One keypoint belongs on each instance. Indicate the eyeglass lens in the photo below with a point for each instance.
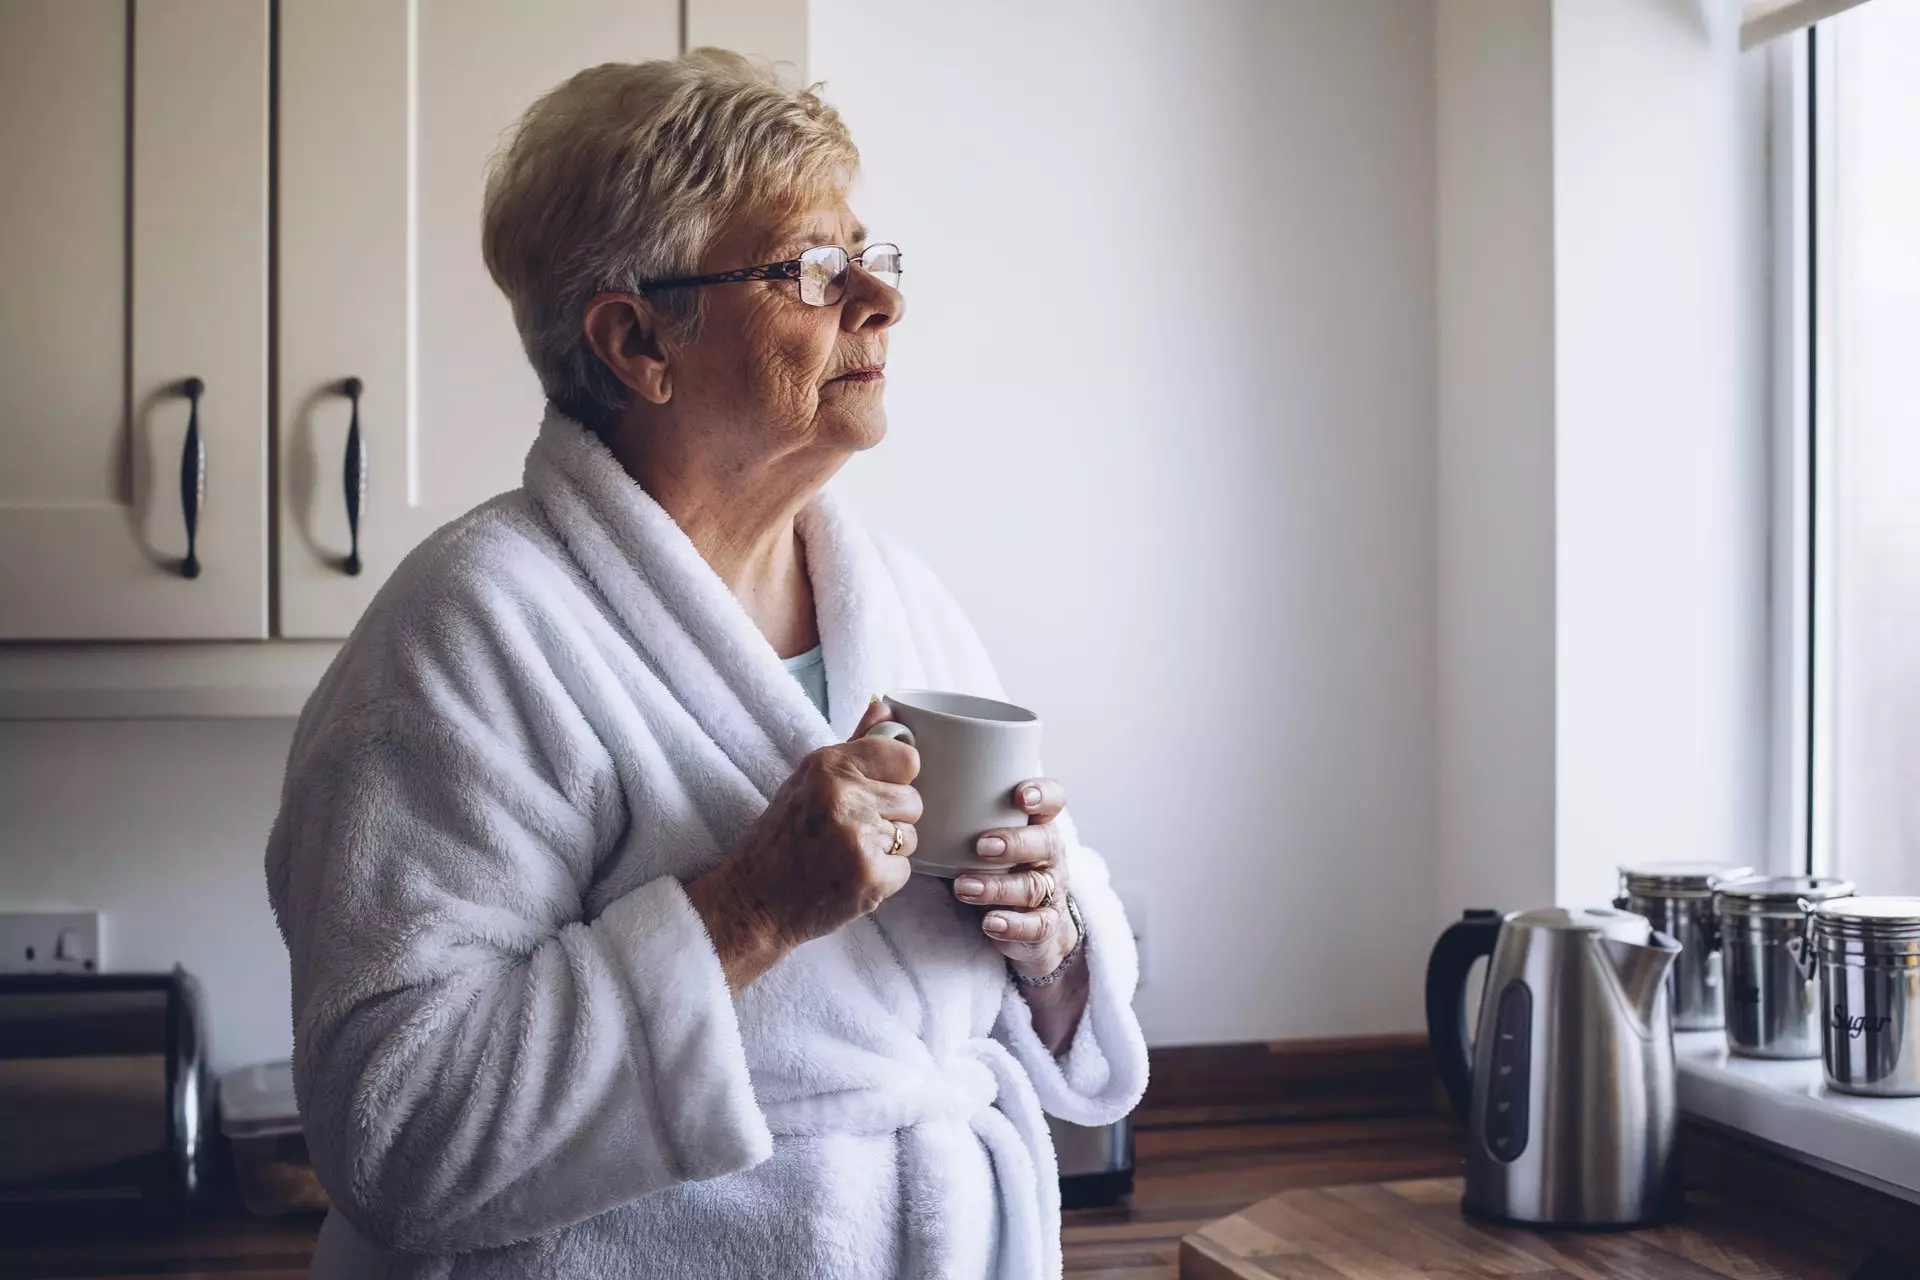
(823, 271)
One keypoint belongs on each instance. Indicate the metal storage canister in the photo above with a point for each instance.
(1770, 1004)
(1678, 898)
(1867, 955)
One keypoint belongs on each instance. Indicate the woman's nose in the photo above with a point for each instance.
(871, 303)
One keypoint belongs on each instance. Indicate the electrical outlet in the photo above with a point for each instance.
(1134, 902)
(50, 942)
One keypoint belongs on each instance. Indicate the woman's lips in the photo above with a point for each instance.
(862, 375)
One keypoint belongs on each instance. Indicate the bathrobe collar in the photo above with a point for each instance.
(692, 631)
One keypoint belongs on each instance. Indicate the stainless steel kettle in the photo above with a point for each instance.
(1569, 1087)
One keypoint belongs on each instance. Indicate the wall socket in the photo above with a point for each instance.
(50, 942)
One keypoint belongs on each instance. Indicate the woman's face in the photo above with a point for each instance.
(768, 363)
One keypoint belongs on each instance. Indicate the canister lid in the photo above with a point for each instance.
(1682, 878)
(1872, 918)
(1778, 893)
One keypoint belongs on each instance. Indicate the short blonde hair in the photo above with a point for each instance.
(624, 175)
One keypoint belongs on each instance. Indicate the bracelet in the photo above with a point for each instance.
(1066, 961)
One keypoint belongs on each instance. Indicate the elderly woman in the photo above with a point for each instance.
(607, 959)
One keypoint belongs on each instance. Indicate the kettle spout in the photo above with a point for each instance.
(1642, 972)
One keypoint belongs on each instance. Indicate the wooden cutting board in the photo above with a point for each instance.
(1415, 1231)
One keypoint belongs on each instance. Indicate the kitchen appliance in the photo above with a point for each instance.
(1677, 898)
(1096, 1162)
(1865, 953)
(1770, 1002)
(101, 1100)
(1569, 1087)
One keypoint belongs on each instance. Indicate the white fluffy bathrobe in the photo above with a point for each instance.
(516, 1053)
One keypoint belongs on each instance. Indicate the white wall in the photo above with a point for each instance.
(1176, 454)
(1662, 324)
(161, 825)
(1495, 330)
(1603, 321)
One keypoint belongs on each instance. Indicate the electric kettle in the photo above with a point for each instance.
(1569, 1087)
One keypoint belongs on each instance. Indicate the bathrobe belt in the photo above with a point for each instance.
(983, 1087)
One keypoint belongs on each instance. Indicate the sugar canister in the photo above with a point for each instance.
(1865, 953)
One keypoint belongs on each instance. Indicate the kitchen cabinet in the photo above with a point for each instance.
(388, 112)
(133, 246)
(135, 235)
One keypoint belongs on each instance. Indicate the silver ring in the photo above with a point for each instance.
(899, 839)
(1053, 889)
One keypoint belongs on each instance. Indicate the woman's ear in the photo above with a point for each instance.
(626, 335)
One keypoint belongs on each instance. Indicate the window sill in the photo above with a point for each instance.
(1874, 1141)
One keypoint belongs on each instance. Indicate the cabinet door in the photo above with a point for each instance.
(133, 247)
(389, 110)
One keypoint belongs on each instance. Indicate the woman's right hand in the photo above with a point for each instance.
(819, 856)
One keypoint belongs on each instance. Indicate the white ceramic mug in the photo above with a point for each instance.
(973, 752)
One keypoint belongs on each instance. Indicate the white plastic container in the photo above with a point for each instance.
(262, 1121)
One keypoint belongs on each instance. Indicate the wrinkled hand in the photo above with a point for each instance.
(820, 855)
(1033, 937)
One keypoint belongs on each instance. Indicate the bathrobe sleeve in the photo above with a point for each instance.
(477, 1061)
(1103, 1074)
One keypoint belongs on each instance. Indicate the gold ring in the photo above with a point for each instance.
(899, 839)
(1053, 889)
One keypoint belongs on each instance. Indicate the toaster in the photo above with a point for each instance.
(103, 1101)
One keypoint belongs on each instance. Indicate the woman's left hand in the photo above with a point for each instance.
(1033, 936)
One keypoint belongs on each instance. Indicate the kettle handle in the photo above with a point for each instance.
(1470, 938)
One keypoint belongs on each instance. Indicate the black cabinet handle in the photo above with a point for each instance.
(193, 476)
(356, 476)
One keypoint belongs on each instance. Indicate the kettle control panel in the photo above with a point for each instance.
(1505, 1123)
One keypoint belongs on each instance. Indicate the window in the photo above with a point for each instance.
(1845, 165)
(1864, 413)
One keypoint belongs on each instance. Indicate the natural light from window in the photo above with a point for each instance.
(1873, 360)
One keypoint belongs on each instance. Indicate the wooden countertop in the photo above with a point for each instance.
(1188, 1176)
(1415, 1231)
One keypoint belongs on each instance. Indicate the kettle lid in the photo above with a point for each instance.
(1621, 926)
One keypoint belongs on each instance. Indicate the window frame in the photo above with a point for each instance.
(1801, 131)
(1785, 1106)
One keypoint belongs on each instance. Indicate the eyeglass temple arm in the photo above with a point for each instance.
(770, 271)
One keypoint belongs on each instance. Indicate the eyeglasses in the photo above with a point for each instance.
(822, 272)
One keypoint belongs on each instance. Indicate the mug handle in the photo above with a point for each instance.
(892, 729)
